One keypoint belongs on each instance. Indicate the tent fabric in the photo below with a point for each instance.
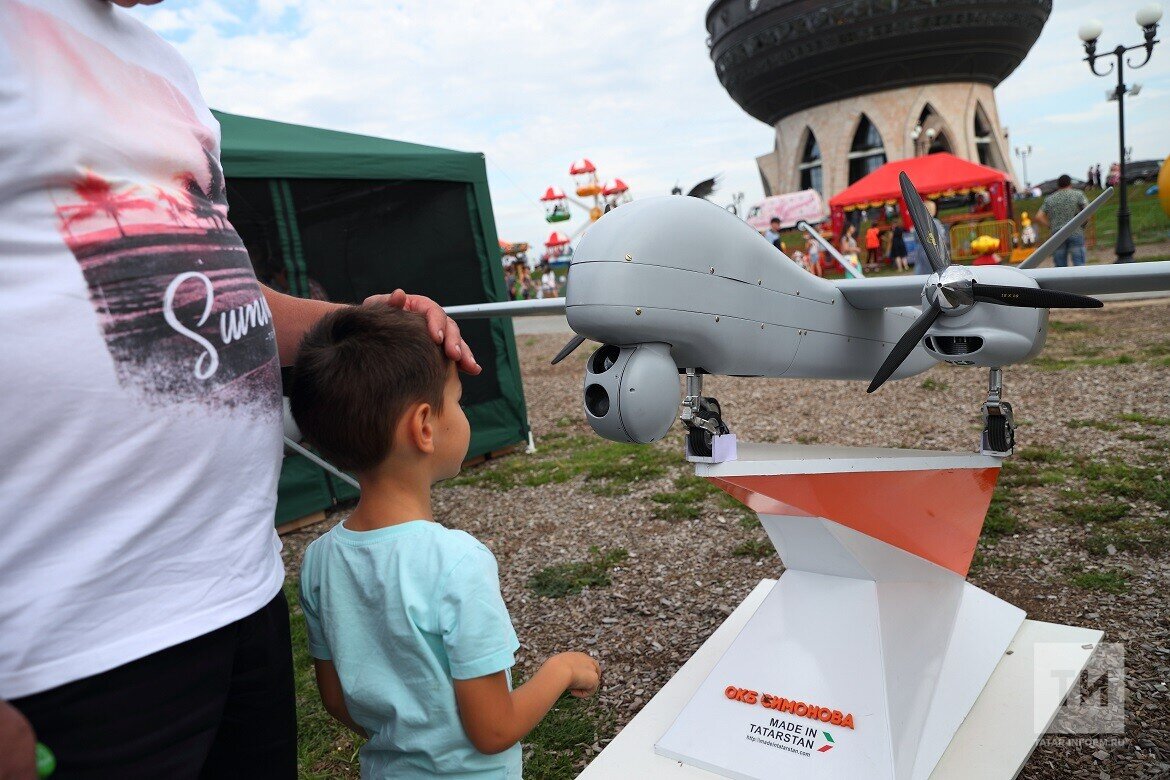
(261, 148)
(355, 216)
(934, 174)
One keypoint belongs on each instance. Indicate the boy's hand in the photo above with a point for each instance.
(584, 673)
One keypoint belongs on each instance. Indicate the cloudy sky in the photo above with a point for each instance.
(629, 84)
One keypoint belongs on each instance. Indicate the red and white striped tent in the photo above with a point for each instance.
(553, 193)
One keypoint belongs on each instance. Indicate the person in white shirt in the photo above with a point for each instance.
(143, 630)
(548, 282)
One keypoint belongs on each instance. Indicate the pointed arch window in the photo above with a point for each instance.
(984, 145)
(930, 135)
(811, 173)
(868, 153)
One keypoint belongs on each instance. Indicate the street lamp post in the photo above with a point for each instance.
(1147, 18)
(1022, 152)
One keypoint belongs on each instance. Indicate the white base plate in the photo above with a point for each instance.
(993, 742)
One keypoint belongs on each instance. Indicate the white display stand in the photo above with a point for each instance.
(867, 656)
(994, 741)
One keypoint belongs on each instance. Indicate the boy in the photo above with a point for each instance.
(411, 639)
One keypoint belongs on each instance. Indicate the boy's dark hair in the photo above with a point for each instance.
(774, 219)
(1064, 180)
(356, 372)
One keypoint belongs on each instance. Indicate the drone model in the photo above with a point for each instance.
(673, 286)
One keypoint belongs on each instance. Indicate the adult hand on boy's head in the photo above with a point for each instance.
(443, 329)
(18, 756)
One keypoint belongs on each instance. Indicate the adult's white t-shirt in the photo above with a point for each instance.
(140, 434)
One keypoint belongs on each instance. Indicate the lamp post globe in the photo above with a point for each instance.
(1148, 15)
(1091, 30)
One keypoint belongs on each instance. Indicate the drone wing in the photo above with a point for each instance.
(1048, 248)
(1082, 280)
(479, 311)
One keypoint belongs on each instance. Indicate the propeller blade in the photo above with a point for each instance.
(910, 339)
(567, 350)
(1032, 297)
(928, 237)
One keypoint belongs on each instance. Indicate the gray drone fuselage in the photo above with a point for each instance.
(684, 272)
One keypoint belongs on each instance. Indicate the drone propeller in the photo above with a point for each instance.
(1031, 297)
(924, 226)
(905, 345)
(952, 290)
(567, 350)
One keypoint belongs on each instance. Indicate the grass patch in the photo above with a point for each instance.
(1061, 364)
(1138, 437)
(1123, 480)
(1056, 326)
(568, 579)
(932, 384)
(325, 748)
(1108, 512)
(685, 502)
(1001, 518)
(750, 522)
(1107, 580)
(1144, 419)
(1098, 424)
(562, 738)
(1040, 454)
(1128, 536)
(565, 457)
(753, 548)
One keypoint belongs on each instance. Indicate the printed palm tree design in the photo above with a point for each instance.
(198, 203)
(174, 206)
(100, 197)
(209, 204)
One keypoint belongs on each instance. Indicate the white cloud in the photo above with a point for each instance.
(537, 84)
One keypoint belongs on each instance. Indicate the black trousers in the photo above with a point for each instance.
(218, 706)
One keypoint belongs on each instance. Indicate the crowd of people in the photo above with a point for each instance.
(522, 283)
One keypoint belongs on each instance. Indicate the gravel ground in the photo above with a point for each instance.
(680, 580)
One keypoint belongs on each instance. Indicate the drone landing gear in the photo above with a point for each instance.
(703, 418)
(999, 425)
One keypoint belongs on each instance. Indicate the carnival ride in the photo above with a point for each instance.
(603, 197)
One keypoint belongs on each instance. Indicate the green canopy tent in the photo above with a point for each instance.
(343, 216)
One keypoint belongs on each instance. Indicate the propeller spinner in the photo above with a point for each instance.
(952, 291)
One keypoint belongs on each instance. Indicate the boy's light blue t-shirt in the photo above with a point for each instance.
(402, 611)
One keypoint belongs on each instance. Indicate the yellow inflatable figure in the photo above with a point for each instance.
(1164, 186)
(1027, 232)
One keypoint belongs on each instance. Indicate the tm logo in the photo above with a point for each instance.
(828, 747)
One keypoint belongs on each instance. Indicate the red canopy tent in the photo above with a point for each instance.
(935, 175)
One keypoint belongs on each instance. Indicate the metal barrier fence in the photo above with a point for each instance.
(963, 233)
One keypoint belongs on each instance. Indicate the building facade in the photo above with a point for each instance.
(852, 84)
